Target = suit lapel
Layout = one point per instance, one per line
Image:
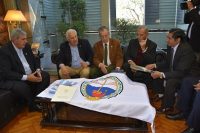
(176, 54)
(16, 58)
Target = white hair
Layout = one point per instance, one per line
(70, 31)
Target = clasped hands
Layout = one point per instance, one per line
(65, 71)
(104, 70)
(35, 76)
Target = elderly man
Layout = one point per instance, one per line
(141, 51)
(107, 54)
(75, 56)
(19, 71)
(180, 58)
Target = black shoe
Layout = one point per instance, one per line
(189, 130)
(177, 116)
(35, 107)
(164, 110)
(156, 98)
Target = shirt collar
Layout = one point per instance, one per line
(17, 49)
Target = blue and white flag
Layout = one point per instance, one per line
(113, 93)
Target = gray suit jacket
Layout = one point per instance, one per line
(184, 58)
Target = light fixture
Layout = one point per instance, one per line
(13, 18)
(14, 15)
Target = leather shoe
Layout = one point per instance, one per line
(156, 98)
(35, 107)
(175, 116)
(190, 130)
(162, 110)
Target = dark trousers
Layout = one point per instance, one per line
(138, 76)
(189, 101)
(169, 90)
(96, 72)
(27, 90)
(194, 117)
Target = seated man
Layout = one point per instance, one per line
(188, 104)
(20, 72)
(75, 56)
(107, 54)
(180, 58)
(141, 51)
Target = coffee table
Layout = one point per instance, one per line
(66, 115)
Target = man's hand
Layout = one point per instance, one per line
(156, 74)
(64, 70)
(197, 87)
(84, 64)
(132, 64)
(34, 77)
(103, 68)
(150, 66)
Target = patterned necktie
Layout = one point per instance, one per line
(105, 54)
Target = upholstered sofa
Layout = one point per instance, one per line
(10, 106)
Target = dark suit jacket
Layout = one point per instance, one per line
(148, 57)
(184, 58)
(194, 16)
(115, 53)
(84, 48)
(10, 64)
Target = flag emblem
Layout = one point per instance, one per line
(101, 88)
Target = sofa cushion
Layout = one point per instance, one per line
(10, 106)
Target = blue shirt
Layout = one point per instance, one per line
(76, 59)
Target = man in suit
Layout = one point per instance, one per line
(20, 72)
(75, 56)
(188, 101)
(192, 17)
(180, 58)
(141, 51)
(107, 54)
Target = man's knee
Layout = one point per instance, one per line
(85, 72)
(63, 76)
(46, 76)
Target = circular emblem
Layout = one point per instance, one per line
(101, 88)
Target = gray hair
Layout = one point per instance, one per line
(70, 31)
(143, 27)
(102, 28)
(16, 33)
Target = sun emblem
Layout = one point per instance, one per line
(101, 88)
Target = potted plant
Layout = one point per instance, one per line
(73, 11)
(125, 30)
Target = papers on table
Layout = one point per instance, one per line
(64, 93)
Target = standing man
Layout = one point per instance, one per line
(107, 54)
(141, 51)
(192, 17)
(20, 72)
(75, 56)
(180, 58)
